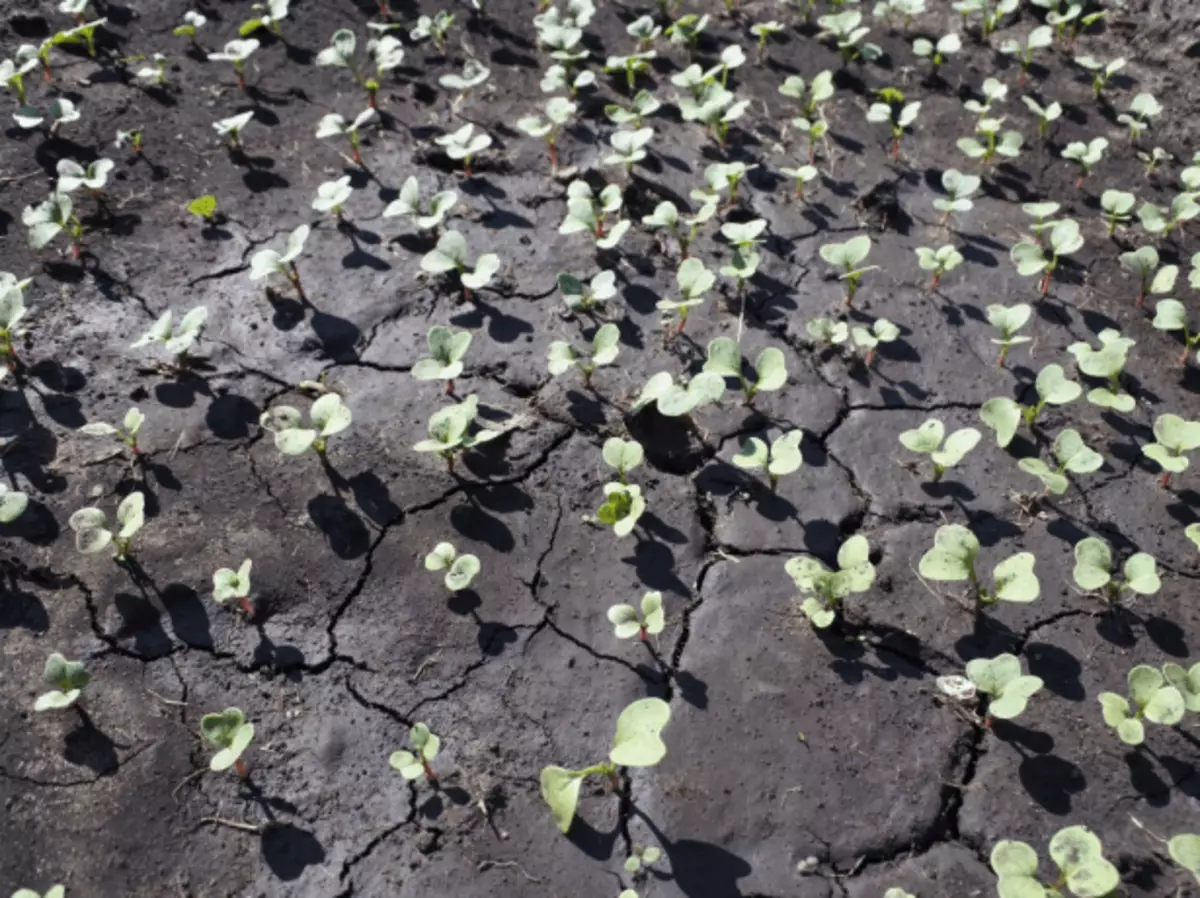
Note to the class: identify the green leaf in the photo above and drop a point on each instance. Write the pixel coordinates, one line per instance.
(560, 790)
(957, 445)
(1185, 851)
(817, 612)
(1141, 574)
(1054, 388)
(408, 764)
(1015, 580)
(1176, 433)
(1093, 563)
(1029, 259)
(1003, 416)
(1186, 681)
(1053, 481)
(1166, 707)
(1114, 708)
(654, 616)
(560, 357)
(771, 369)
(753, 455)
(1013, 859)
(296, 441)
(953, 555)
(724, 357)
(625, 621)
(623, 455)
(203, 206)
(1015, 697)
(1144, 683)
(924, 439)
(330, 414)
(1073, 455)
(441, 557)
(992, 675)
(637, 742)
(786, 457)
(464, 569)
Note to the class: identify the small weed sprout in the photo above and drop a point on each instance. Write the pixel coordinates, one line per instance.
(827, 332)
(334, 125)
(1169, 315)
(464, 144)
(881, 331)
(940, 261)
(943, 451)
(450, 431)
(1153, 699)
(1142, 108)
(1004, 415)
(231, 733)
(628, 148)
(587, 212)
(1007, 688)
(230, 584)
(947, 45)
(1071, 455)
(1046, 115)
(447, 349)
(693, 280)
(641, 858)
(585, 298)
(433, 28)
(1008, 320)
(204, 208)
(1093, 572)
(450, 254)
(1106, 363)
(176, 340)
(629, 621)
(1143, 263)
(1039, 38)
(848, 257)
(267, 262)
(1085, 155)
(461, 570)
(637, 743)
(232, 127)
(995, 142)
(236, 53)
(1173, 439)
(643, 104)
(897, 114)
(409, 205)
(824, 589)
(623, 505)
(561, 357)
(126, 434)
(92, 536)
(959, 190)
(412, 765)
(328, 416)
(1102, 72)
(684, 230)
(559, 111)
(1079, 856)
(1036, 258)
(1163, 220)
(93, 177)
(952, 559)
(847, 31)
(52, 217)
(782, 457)
(623, 456)
(68, 679)
(1117, 204)
(12, 504)
(677, 399)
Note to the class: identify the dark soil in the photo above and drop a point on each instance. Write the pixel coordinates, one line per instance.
(799, 764)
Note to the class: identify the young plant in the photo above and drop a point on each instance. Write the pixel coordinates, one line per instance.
(127, 433)
(413, 765)
(716, 108)
(693, 280)
(559, 77)
(72, 175)
(1142, 263)
(1142, 108)
(179, 340)
(328, 415)
(849, 256)
(686, 30)
(897, 114)
(676, 399)
(409, 204)
(230, 584)
(805, 174)
(1007, 688)
(1004, 415)
(1117, 204)
(623, 505)
(236, 53)
(231, 733)
(1078, 854)
(92, 536)
(1106, 363)
(434, 28)
(1046, 115)
(1071, 455)
(154, 75)
(632, 65)
(1153, 699)
(847, 31)
(192, 23)
(461, 570)
(332, 196)
(952, 559)
(562, 357)
(770, 368)
(1169, 315)
(1173, 439)
(782, 457)
(446, 352)
(1102, 72)
(881, 331)
(993, 92)
(450, 254)
(52, 217)
(464, 144)
(587, 212)
(814, 130)
(1085, 155)
(1094, 572)
(1037, 258)
(68, 679)
(584, 298)
(12, 504)
(232, 128)
(450, 431)
(944, 451)
(1040, 213)
(645, 31)
(13, 72)
(959, 190)
(267, 262)
(1008, 320)
(1186, 681)
(1163, 220)
(629, 621)
(274, 12)
(940, 261)
(1038, 39)
(629, 148)
(559, 111)
(643, 104)
(995, 142)
(1153, 158)
(947, 45)
(623, 455)
(763, 31)
(684, 230)
(204, 208)
(334, 125)
(637, 743)
(824, 589)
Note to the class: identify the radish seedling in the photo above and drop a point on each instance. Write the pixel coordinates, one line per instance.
(623, 505)
(763, 31)
(848, 257)
(1078, 854)
(450, 431)
(1040, 213)
(959, 190)
(92, 536)
(623, 456)
(232, 127)
(126, 434)
(643, 104)
(267, 262)
(693, 280)
(941, 260)
(230, 584)
(995, 143)
(824, 589)
(1071, 455)
(1153, 699)
(61, 112)
(1117, 204)
(991, 12)
(731, 57)
(12, 504)
(1153, 158)
(676, 399)
(584, 298)
(68, 679)
(1046, 115)
(897, 114)
(473, 74)
(947, 45)
(628, 621)
(446, 352)
(334, 125)
(637, 743)
(434, 28)
(644, 30)
(48, 219)
(1038, 39)
(1085, 155)
(1142, 263)
(1186, 681)
(332, 196)
(231, 733)
(558, 77)
(12, 74)
(72, 175)
(847, 31)
(769, 369)
(413, 765)
(741, 268)
(329, 415)
(744, 235)
(562, 357)
(1004, 415)
(236, 53)
(716, 108)
(1094, 572)
(1035, 258)
(632, 65)
(12, 312)
(629, 148)
(409, 204)
(640, 859)
(1163, 220)
(1102, 72)
(944, 451)
(827, 332)
(993, 91)
(1001, 680)
(464, 144)
(782, 457)
(686, 30)
(343, 45)
(461, 570)
(450, 254)
(1106, 363)
(1174, 437)
(724, 176)
(952, 559)
(889, 10)
(803, 175)
(881, 331)
(559, 111)
(387, 53)
(1169, 315)
(1008, 320)
(684, 230)
(192, 23)
(177, 341)
(1142, 108)
(274, 12)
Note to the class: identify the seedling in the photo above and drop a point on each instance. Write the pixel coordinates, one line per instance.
(192, 23)
(637, 743)
(993, 91)
(13, 72)
(446, 352)
(464, 144)
(952, 559)
(847, 31)
(1070, 456)
(1169, 315)
(1142, 263)
(52, 217)
(1160, 220)
(230, 732)
(881, 331)
(586, 212)
(1153, 158)
(623, 505)
(1008, 320)
(230, 584)
(813, 130)
(92, 536)
(644, 30)
(236, 53)
(676, 399)
(126, 434)
(944, 451)
(434, 28)
(782, 457)
(1102, 72)
(450, 431)
(1039, 38)
(332, 196)
(1046, 115)
(770, 368)
(204, 208)
(1093, 572)
(267, 262)
(12, 504)
(1142, 108)
(343, 44)
(83, 33)
(763, 31)
(686, 30)
(959, 190)
(716, 108)
(68, 679)
(1153, 699)
(632, 65)
(1036, 258)
(562, 357)
(1078, 854)
(684, 230)
(584, 298)
(947, 45)
(805, 174)
(1186, 681)
(413, 765)
(1173, 439)
(461, 570)
(639, 860)
(824, 589)
(334, 125)
(629, 148)
(623, 455)
(725, 176)
(741, 268)
(995, 142)
(896, 113)
(644, 104)
(1117, 204)
(629, 621)
(274, 12)
(178, 341)
(1085, 155)
(1007, 688)
(450, 254)
(1004, 416)
(72, 175)
(693, 280)
(328, 416)
(409, 204)
(62, 111)
(154, 75)
(558, 77)
(849, 257)
(889, 10)
(940, 261)
(1040, 213)
(559, 111)
(1106, 363)
(232, 127)
(387, 53)
(990, 15)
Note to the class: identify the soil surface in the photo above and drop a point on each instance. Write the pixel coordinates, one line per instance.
(799, 763)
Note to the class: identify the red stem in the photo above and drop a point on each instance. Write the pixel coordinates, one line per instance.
(1165, 479)
(240, 767)
(247, 608)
